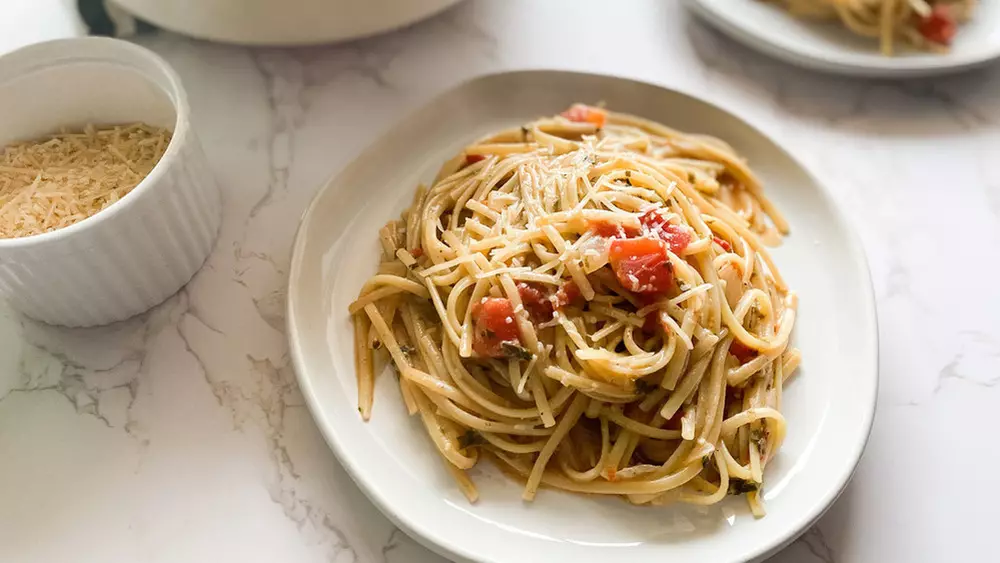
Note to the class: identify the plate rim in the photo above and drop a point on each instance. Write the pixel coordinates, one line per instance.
(420, 532)
(875, 66)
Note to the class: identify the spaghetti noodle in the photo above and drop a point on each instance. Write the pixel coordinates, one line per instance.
(588, 301)
(927, 25)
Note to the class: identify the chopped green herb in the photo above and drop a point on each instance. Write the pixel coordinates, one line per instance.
(469, 439)
(739, 486)
(512, 350)
(642, 386)
(759, 436)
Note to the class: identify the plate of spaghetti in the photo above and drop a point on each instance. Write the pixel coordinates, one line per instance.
(558, 316)
(880, 38)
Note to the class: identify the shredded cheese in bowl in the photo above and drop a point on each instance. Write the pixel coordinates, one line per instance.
(51, 183)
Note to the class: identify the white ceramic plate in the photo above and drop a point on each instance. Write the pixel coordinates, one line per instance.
(831, 48)
(829, 404)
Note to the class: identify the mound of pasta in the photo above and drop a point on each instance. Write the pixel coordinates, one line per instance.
(588, 301)
(928, 25)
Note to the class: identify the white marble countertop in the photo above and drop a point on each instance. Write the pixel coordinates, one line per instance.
(181, 436)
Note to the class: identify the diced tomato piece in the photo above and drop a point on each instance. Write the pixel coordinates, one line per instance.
(608, 229)
(939, 26)
(723, 243)
(535, 301)
(494, 325)
(567, 294)
(586, 114)
(742, 352)
(652, 219)
(416, 252)
(674, 235)
(471, 159)
(605, 228)
(641, 265)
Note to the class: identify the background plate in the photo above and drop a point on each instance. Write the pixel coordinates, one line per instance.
(829, 404)
(830, 47)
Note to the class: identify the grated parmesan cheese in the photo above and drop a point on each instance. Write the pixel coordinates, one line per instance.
(51, 183)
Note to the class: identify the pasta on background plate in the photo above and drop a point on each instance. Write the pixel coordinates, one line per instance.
(927, 25)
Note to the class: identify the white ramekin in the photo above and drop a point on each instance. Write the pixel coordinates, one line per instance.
(142, 249)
